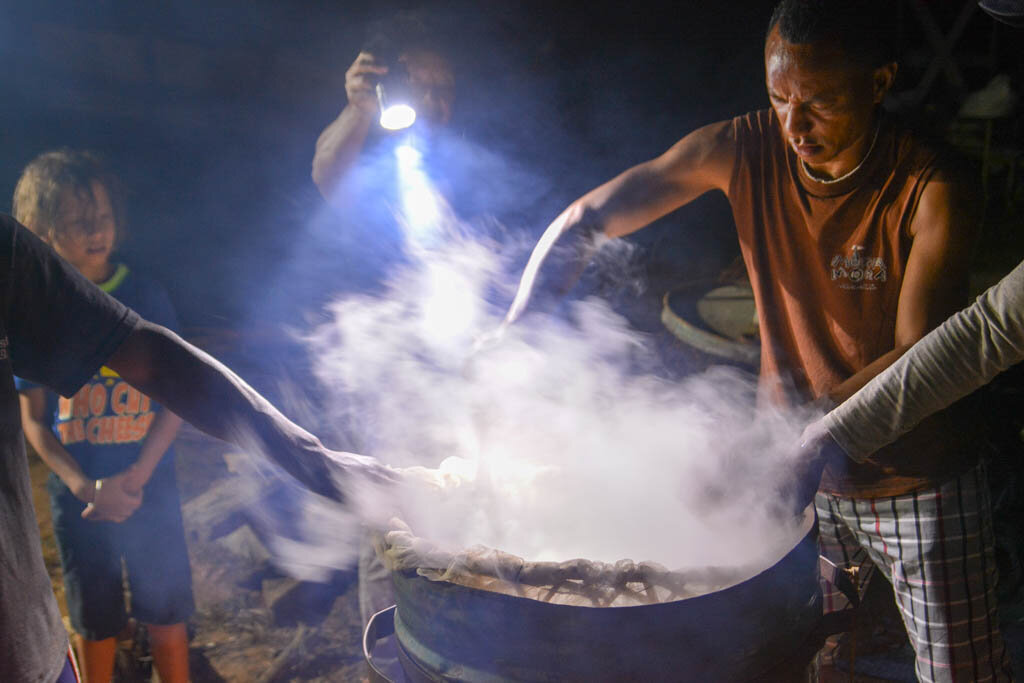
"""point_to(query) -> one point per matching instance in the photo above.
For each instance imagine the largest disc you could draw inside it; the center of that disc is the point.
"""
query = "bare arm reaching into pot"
(700, 162)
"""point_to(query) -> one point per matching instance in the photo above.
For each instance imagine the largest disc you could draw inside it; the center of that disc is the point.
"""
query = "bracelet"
(96, 491)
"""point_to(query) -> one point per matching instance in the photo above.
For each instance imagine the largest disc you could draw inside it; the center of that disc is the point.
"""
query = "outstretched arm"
(700, 162)
(206, 393)
(961, 355)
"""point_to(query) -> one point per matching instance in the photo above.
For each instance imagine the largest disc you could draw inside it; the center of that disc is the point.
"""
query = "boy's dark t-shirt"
(105, 423)
(56, 329)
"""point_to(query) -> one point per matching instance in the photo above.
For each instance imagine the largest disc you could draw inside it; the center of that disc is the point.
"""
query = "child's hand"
(135, 478)
(112, 503)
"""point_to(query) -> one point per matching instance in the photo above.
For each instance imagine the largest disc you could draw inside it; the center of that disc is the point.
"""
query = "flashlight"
(396, 110)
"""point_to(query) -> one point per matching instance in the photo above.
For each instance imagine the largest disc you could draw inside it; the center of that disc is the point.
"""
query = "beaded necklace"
(831, 181)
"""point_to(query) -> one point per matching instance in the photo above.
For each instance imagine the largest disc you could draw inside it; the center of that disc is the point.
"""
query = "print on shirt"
(107, 410)
(857, 271)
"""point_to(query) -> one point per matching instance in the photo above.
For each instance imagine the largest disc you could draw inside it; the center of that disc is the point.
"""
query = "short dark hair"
(405, 31)
(863, 29)
(37, 195)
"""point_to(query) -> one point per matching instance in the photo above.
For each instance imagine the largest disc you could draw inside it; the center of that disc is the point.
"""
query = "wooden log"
(219, 510)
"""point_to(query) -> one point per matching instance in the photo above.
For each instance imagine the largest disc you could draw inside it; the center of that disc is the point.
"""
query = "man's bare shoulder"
(926, 155)
(950, 198)
(707, 153)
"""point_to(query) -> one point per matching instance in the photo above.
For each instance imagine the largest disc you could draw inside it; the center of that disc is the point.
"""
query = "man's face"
(825, 103)
(432, 83)
(86, 229)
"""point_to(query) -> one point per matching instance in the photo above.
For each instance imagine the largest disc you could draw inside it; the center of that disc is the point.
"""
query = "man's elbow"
(136, 359)
(319, 176)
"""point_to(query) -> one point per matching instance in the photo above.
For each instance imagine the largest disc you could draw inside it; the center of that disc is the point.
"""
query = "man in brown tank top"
(856, 236)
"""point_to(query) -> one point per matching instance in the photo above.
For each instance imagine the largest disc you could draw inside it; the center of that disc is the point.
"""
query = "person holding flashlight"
(369, 174)
(427, 77)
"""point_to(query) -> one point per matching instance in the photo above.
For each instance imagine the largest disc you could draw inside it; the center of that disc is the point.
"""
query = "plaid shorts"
(936, 548)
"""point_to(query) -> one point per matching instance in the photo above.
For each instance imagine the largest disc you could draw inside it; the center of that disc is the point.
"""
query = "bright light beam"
(420, 205)
(450, 309)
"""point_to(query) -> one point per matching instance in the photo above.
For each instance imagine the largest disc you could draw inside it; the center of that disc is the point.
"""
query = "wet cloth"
(961, 355)
(56, 328)
(935, 546)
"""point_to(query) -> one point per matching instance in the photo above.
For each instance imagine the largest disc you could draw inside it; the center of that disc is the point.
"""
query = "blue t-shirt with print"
(104, 424)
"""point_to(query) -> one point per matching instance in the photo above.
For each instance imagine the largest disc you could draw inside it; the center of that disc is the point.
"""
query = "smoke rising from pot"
(556, 443)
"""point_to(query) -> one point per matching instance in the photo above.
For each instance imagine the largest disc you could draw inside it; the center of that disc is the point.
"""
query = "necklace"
(832, 181)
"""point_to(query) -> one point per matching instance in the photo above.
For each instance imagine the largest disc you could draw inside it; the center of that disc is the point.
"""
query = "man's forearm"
(852, 384)
(699, 163)
(623, 205)
(206, 393)
(337, 149)
(964, 353)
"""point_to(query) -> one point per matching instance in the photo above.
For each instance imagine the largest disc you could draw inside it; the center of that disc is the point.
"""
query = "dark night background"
(210, 110)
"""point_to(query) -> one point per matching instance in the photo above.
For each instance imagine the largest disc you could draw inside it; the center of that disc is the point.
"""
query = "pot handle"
(843, 579)
(378, 638)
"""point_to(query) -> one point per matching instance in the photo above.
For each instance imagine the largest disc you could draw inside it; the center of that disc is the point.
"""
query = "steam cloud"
(555, 442)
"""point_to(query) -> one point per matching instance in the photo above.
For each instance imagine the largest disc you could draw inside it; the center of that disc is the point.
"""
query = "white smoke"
(563, 449)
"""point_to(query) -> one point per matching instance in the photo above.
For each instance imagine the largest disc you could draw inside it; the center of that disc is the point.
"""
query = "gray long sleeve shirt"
(962, 354)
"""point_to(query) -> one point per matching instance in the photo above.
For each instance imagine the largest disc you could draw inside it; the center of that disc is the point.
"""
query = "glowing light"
(420, 204)
(408, 156)
(397, 117)
(449, 310)
(421, 210)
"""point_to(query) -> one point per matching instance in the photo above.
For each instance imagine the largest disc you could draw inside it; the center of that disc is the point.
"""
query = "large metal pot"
(450, 632)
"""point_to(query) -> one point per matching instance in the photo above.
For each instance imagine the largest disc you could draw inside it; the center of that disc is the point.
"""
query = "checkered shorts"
(936, 547)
